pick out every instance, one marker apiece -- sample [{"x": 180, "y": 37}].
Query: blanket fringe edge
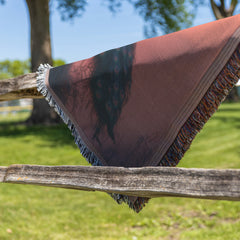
[
  {"x": 209, "y": 104},
  {"x": 88, "y": 154}
]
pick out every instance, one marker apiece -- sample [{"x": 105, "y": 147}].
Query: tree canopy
[
  {"x": 165, "y": 15},
  {"x": 9, "y": 69}
]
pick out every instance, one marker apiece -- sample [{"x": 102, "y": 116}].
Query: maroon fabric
[
  {"x": 165, "y": 71},
  {"x": 128, "y": 105}
]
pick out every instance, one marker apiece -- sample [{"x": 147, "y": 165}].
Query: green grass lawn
[{"x": 34, "y": 212}]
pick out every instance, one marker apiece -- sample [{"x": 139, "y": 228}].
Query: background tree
[
  {"x": 168, "y": 16},
  {"x": 222, "y": 9},
  {"x": 9, "y": 69},
  {"x": 14, "y": 68}
]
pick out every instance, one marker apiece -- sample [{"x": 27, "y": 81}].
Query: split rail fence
[{"x": 146, "y": 182}]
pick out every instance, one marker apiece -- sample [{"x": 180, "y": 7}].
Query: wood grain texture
[
  {"x": 3, "y": 171},
  {"x": 146, "y": 182},
  {"x": 24, "y": 86}
]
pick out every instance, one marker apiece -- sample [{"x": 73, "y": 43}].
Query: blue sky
[{"x": 96, "y": 31}]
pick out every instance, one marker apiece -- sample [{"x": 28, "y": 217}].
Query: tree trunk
[
  {"x": 40, "y": 53},
  {"x": 220, "y": 11}
]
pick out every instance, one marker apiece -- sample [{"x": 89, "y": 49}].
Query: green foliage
[
  {"x": 71, "y": 8},
  {"x": 58, "y": 62},
  {"x": 165, "y": 15},
  {"x": 34, "y": 212},
  {"x": 9, "y": 69},
  {"x": 4, "y": 75},
  {"x": 13, "y": 68}
]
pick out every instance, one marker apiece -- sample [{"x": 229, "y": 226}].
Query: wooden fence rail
[
  {"x": 146, "y": 182},
  {"x": 24, "y": 86}
]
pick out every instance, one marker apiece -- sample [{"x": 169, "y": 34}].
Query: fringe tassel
[
  {"x": 208, "y": 105},
  {"x": 210, "y": 102},
  {"x": 137, "y": 206},
  {"x": 89, "y": 155},
  {"x": 217, "y": 92},
  {"x": 41, "y": 87}
]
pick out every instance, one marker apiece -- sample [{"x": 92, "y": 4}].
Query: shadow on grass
[
  {"x": 228, "y": 110},
  {"x": 229, "y": 114},
  {"x": 57, "y": 135},
  {"x": 234, "y": 121},
  {"x": 60, "y": 135}
]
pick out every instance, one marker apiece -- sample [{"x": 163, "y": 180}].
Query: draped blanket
[{"x": 142, "y": 104}]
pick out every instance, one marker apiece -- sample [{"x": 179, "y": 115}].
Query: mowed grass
[{"x": 40, "y": 213}]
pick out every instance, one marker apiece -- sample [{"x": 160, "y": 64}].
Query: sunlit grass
[{"x": 32, "y": 212}]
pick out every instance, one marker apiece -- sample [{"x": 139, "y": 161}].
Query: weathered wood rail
[
  {"x": 147, "y": 182},
  {"x": 24, "y": 86}
]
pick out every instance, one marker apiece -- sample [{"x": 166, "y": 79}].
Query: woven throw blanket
[{"x": 142, "y": 104}]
